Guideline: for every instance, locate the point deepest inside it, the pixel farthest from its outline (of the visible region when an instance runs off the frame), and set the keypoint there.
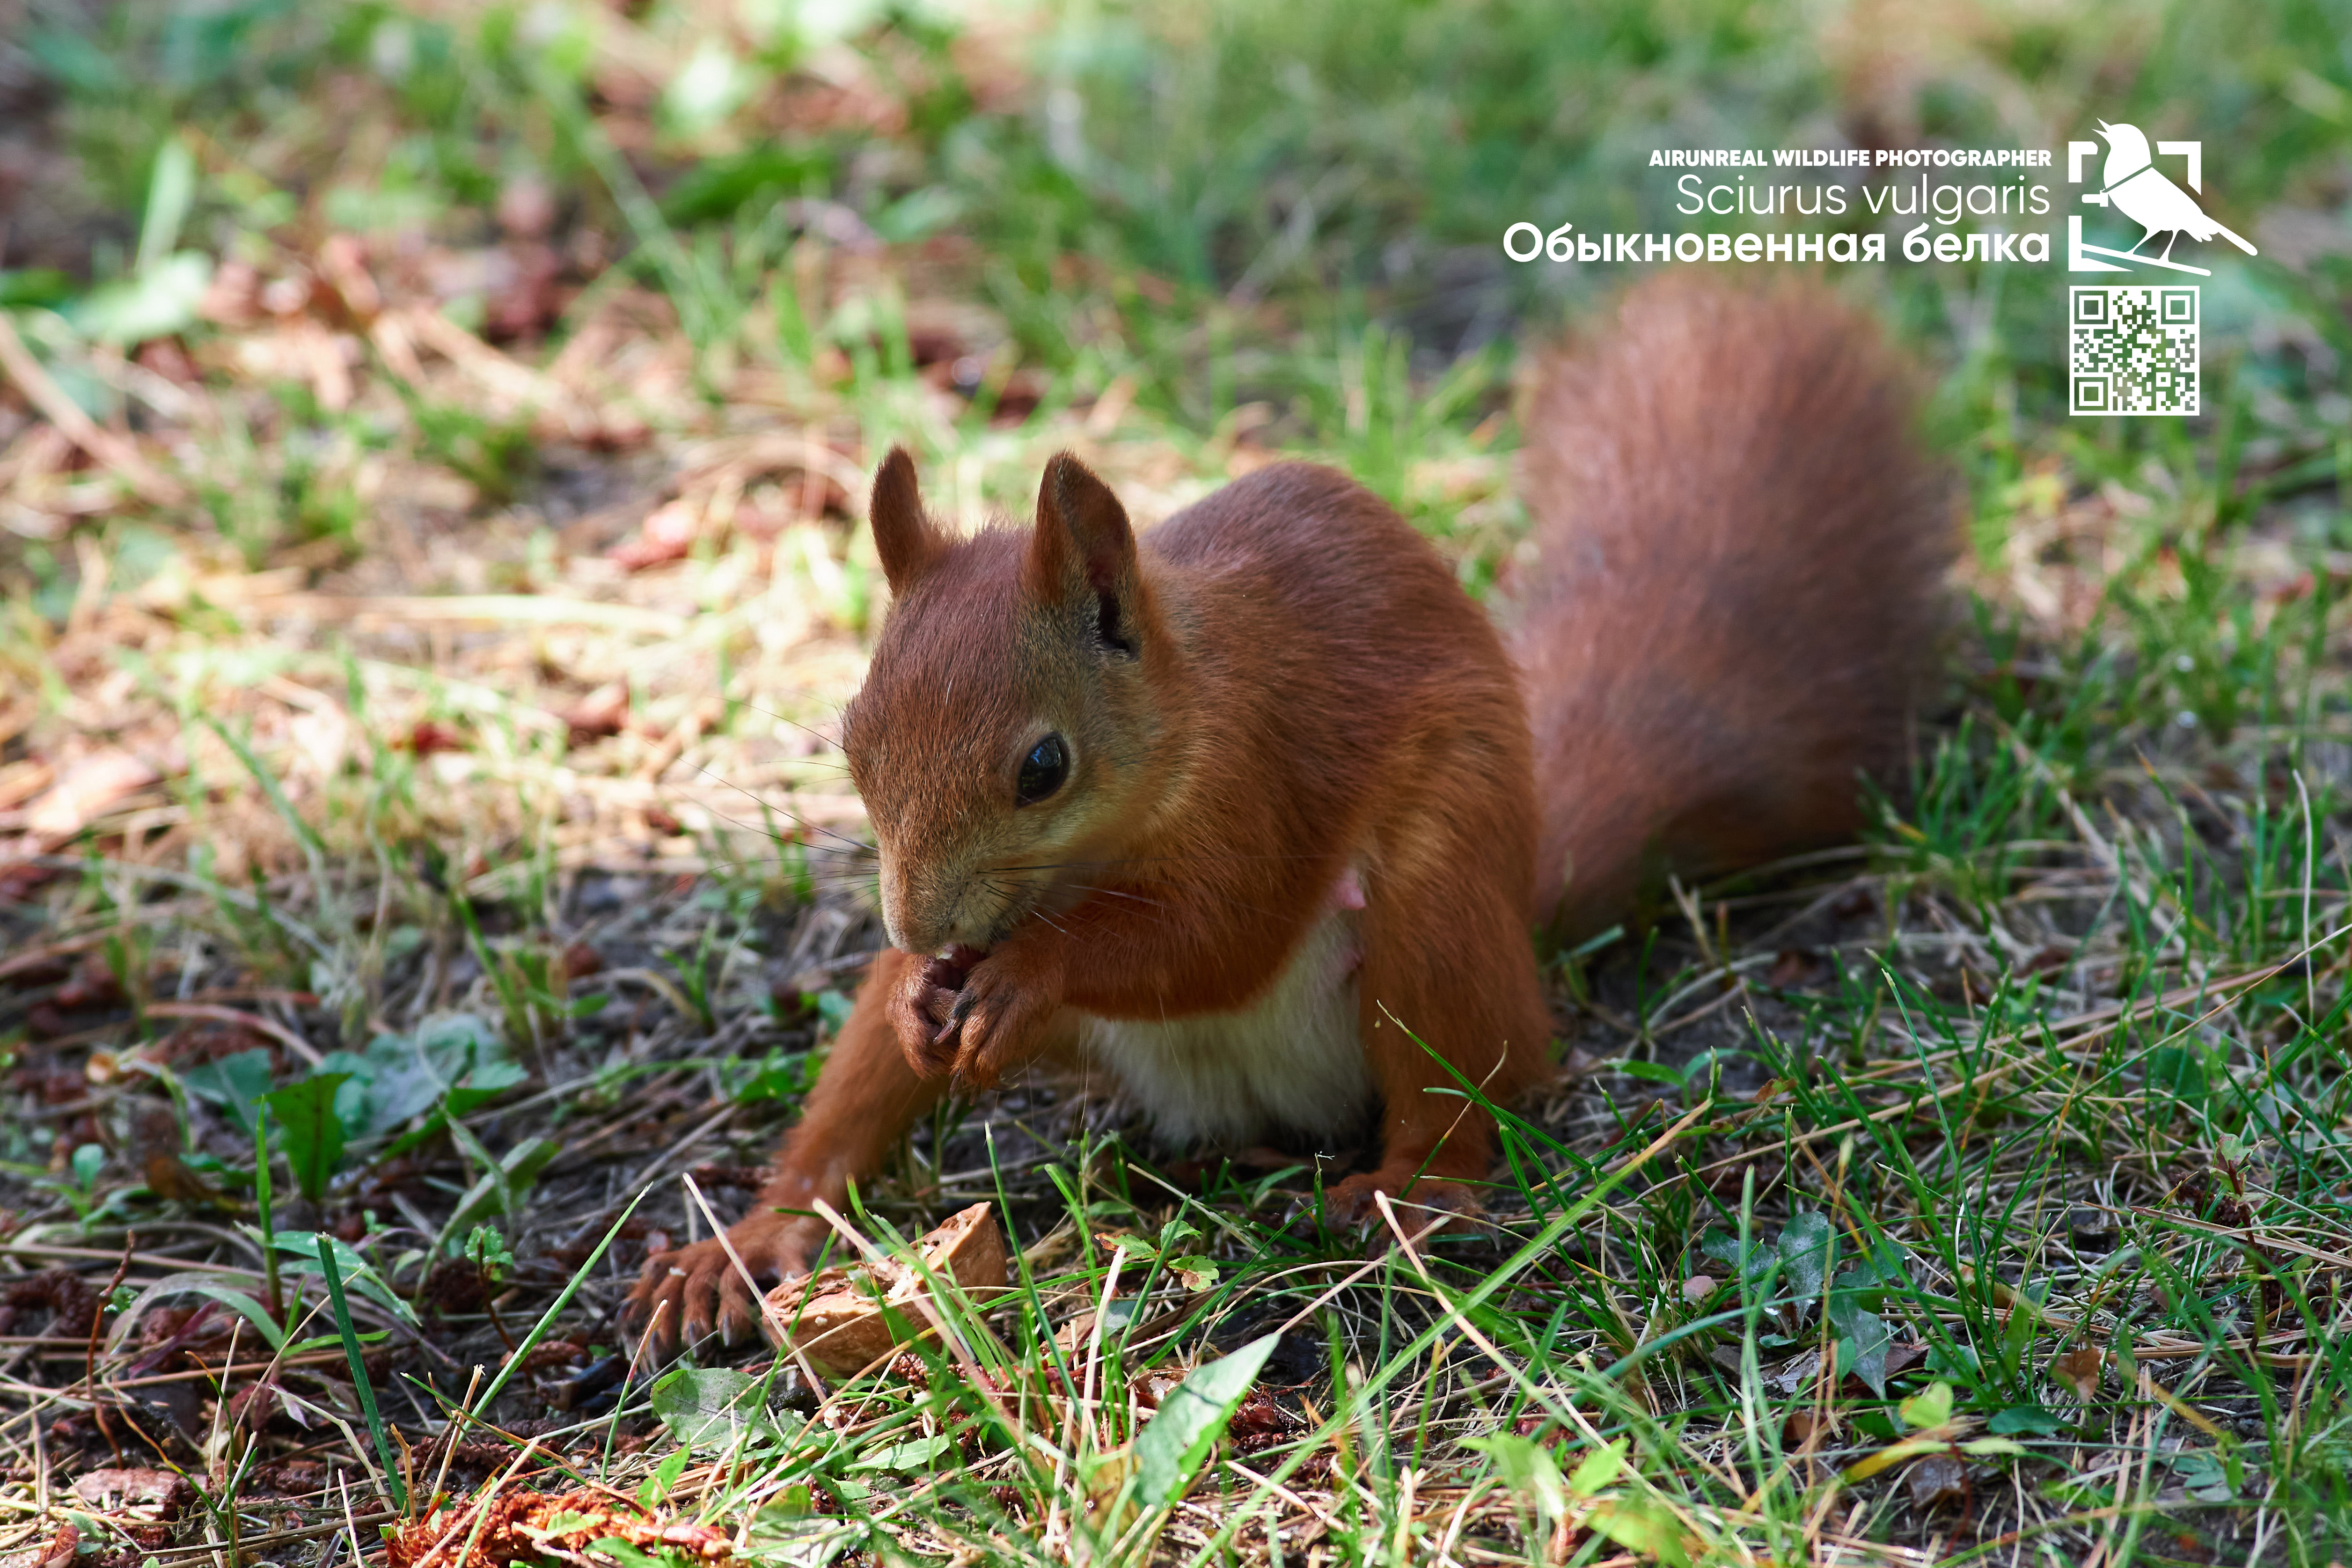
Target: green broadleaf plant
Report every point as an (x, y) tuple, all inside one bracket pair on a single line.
[(310, 1131), (1176, 1442)]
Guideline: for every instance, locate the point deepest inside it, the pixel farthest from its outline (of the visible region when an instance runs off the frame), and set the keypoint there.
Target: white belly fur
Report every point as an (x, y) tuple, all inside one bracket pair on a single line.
[(1294, 1059)]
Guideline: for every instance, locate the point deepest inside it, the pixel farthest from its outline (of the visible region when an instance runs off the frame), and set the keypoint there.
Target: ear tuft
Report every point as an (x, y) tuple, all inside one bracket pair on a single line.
[(1083, 548), (903, 536)]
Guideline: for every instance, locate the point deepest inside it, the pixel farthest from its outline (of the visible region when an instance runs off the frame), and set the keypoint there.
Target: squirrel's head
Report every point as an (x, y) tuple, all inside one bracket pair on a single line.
[(1006, 727)]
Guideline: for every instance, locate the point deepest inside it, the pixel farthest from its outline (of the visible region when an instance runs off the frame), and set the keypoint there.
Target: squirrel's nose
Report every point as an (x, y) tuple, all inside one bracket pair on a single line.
[(902, 917), (918, 912)]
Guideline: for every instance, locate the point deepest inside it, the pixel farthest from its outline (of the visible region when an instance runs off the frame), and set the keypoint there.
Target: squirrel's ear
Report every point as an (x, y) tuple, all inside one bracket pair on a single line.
[(1084, 549), (903, 536)]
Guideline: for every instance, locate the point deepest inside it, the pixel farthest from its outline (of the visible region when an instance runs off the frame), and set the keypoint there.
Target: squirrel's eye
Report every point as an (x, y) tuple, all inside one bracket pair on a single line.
[(1042, 771)]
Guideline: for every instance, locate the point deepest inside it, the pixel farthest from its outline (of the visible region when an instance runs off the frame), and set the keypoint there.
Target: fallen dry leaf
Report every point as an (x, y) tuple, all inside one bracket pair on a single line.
[(2079, 1370), (2190, 1547), (667, 533), (601, 712), (1148, 1387), (429, 736), (84, 793), (73, 1302), (1795, 1373), (92, 984), (1798, 968), (60, 1551), (148, 1494), (343, 261), (1939, 1480), (1258, 1422), (19, 781), (1904, 1356), (233, 298)]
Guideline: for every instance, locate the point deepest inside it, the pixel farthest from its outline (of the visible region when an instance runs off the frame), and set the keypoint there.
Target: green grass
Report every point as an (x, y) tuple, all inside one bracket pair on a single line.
[(2029, 1110)]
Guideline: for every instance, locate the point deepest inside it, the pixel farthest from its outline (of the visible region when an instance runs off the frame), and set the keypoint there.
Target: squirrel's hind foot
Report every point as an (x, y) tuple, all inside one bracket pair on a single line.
[(1422, 1207)]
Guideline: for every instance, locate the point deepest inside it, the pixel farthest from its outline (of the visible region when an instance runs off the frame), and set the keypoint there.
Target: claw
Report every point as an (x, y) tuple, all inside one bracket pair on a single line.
[(956, 1013), (689, 1294), (1350, 1202)]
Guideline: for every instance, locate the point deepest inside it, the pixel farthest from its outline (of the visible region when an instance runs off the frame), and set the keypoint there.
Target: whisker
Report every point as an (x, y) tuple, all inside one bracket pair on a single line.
[(806, 848), (800, 822), (1157, 860), (1116, 893), (1148, 903), (795, 723)]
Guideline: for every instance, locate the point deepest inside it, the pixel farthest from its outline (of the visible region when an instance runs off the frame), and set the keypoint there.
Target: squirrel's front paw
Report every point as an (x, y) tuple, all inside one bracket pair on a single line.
[(999, 1015), (922, 1013)]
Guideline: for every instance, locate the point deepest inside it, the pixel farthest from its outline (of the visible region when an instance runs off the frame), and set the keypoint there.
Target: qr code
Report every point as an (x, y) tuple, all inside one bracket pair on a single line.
[(2133, 350)]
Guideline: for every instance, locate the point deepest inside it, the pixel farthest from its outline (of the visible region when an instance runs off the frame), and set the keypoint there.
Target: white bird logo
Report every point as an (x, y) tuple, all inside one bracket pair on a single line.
[(2135, 188)]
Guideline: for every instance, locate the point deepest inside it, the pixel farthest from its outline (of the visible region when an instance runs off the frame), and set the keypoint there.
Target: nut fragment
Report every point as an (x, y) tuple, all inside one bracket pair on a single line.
[(833, 1318)]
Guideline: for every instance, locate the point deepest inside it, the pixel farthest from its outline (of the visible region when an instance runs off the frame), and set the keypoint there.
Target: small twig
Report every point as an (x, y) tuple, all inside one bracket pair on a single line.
[(779, 1326), (2243, 1235), (104, 446), (40, 1464), (275, 1538), (212, 1013), (491, 1306), (343, 1482), (1535, 1391), (89, 1357), (449, 1442), (201, 1372)]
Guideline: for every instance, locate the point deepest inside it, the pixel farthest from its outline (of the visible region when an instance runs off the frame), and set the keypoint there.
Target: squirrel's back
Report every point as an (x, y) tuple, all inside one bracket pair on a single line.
[(1740, 550)]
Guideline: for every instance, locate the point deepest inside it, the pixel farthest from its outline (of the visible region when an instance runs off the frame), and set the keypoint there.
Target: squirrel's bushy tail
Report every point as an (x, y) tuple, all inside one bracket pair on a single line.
[(1735, 596)]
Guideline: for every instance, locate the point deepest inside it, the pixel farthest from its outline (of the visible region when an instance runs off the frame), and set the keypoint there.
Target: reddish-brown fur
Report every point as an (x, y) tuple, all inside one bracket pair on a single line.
[(1739, 552)]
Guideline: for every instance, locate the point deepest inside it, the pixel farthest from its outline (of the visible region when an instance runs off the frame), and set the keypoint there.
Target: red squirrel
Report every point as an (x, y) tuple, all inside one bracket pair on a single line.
[(1245, 811)]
